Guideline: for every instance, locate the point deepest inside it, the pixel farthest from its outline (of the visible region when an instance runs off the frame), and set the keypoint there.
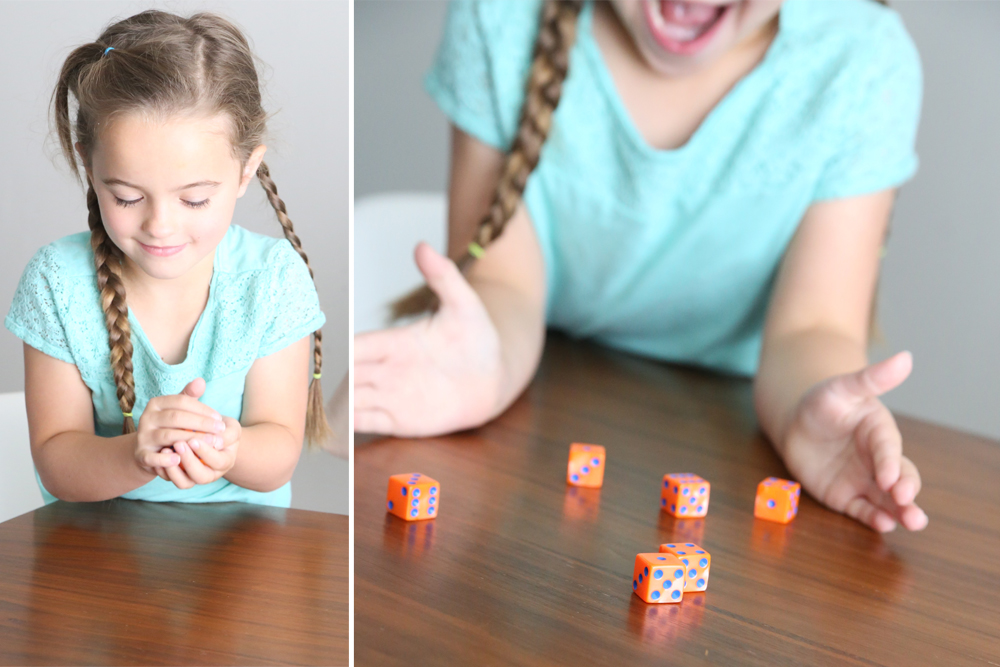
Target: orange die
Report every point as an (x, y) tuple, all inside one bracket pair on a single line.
[(684, 495), (777, 500), (413, 496), (586, 465), (658, 578), (696, 562)]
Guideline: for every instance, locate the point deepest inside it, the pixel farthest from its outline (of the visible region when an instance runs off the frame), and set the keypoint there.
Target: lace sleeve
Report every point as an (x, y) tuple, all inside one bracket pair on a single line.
[(35, 314), (877, 141), (294, 304)]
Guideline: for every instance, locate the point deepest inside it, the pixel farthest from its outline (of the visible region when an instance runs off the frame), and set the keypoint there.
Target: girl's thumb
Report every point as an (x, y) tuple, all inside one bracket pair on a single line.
[(444, 278), (879, 378), (195, 388)]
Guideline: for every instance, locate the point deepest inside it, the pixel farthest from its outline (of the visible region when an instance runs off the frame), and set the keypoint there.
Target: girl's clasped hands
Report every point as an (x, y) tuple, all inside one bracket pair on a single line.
[(184, 441)]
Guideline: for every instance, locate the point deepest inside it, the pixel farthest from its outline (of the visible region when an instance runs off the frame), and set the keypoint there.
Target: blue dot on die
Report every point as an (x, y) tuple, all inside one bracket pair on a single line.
[(701, 582), (666, 484), (655, 595), (684, 510), (585, 470), (640, 577), (415, 502), (667, 584), (413, 512), (687, 491), (675, 594), (404, 490), (663, 502), (434, 490), (675, 489), (699, 508), (701, 490), (635, 584), (688, 544), (658, 574), (645, 571), (703, 562), (660, 558), (430, 510), (673, 508), (575, 477), (770, 504), (390, 504), (685, 560), (692, 573), (671, 545), (416, 493), (596, 462), (432, 500), (678, 574)]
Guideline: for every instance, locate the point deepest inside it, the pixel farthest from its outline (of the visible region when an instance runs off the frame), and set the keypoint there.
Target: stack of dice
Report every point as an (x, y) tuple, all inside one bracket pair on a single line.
[(667, 575)]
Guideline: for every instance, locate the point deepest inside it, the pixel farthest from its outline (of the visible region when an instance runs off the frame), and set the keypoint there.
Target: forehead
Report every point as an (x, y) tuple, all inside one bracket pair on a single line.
[(140, 147)]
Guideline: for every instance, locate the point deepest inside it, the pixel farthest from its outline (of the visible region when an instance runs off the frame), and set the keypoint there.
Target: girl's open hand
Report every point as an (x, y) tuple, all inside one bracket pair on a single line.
[(440, 374), (204, 459), (843, 445), (170, 419)]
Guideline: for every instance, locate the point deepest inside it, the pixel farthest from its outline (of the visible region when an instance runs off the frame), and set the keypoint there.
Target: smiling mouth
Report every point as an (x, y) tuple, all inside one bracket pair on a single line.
[(162, 250), (683, 27)]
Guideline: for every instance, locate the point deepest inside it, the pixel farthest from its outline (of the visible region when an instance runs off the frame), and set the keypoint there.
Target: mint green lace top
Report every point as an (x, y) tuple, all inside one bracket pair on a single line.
[(261, 300), (672, 254)]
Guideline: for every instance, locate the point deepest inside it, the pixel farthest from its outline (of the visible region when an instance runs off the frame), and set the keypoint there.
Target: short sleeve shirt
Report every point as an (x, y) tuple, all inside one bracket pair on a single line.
[(261, 299), (672, 254)]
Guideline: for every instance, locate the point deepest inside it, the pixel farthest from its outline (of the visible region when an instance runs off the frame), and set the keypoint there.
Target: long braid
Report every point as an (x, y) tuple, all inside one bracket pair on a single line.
[(108, 259), (549, 67), (317, 428)]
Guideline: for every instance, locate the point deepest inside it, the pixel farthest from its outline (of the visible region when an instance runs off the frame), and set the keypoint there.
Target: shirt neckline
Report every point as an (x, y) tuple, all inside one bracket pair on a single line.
[(144, 341), (624, 119)]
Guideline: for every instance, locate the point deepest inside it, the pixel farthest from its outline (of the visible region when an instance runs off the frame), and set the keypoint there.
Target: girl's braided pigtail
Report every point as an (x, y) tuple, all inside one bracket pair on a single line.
[(108, 258), (549, 67), (317, 428)]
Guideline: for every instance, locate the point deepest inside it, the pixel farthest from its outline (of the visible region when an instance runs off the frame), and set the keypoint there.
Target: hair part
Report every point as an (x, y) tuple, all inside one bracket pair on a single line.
[(163, 64), (549, 67)]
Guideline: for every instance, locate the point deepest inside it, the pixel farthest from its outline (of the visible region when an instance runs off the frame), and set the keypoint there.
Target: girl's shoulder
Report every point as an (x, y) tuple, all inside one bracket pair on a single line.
[(848, 30), (65, 259), (244, 251)]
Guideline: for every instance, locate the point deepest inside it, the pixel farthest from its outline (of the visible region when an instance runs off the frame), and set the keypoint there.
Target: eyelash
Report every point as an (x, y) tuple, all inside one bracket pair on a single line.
[(127, 203)]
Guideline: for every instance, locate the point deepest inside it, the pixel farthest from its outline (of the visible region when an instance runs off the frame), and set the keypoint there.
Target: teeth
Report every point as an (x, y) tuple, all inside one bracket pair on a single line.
[(674, 28)]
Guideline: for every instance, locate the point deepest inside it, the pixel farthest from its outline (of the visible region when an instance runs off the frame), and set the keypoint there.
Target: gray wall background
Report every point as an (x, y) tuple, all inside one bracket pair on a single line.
[(940, 290), (305, 49)]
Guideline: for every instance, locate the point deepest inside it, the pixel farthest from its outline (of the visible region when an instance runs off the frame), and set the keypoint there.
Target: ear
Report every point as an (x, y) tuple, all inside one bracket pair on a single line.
[(251, 169)]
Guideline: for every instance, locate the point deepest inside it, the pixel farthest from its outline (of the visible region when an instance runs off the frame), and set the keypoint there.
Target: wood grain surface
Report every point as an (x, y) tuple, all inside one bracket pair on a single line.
[(519, 568), (136, 583)]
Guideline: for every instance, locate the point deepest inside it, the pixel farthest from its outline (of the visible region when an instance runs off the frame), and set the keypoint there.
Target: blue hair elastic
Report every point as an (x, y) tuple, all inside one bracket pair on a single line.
[(110, 48)]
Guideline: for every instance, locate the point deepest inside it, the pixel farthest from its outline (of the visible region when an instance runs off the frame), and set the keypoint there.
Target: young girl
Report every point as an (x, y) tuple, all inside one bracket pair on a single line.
[(167, 351), (714, 188)]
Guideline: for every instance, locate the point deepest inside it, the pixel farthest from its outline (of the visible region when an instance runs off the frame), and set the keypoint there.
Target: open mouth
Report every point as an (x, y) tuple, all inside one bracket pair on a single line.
[(684, 28)]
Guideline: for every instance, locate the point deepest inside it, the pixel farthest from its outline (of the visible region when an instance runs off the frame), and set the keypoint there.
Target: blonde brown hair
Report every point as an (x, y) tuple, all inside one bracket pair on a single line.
[(549, 66), (159, 63)]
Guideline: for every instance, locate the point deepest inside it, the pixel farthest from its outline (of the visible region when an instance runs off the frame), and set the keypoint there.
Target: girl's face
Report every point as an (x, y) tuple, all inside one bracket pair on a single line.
[(676, 38), (167, 189)]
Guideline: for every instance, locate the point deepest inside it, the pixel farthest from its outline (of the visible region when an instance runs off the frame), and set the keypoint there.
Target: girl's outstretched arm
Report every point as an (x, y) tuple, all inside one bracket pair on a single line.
[(74, 463), (465, 364), (816, 395)]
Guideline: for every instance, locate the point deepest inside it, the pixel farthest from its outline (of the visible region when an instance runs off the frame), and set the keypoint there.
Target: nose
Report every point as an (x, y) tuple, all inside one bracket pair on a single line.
[(159, 224)]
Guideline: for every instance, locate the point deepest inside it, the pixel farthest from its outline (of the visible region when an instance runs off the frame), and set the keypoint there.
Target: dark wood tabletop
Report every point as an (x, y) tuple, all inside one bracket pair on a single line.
[(520, 568), (136, 583)]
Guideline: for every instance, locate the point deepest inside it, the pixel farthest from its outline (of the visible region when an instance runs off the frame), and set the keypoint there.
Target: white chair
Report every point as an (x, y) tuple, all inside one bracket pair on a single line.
[(19, 492), (387, 227)]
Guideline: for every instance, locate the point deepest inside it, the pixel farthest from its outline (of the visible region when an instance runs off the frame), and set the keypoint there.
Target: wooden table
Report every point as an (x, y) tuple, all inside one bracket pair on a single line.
[(519, 568), (134, 583)]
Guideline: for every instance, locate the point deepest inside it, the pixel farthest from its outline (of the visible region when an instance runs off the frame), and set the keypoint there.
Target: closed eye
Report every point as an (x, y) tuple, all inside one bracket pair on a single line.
[(196, 204), (125, 203)]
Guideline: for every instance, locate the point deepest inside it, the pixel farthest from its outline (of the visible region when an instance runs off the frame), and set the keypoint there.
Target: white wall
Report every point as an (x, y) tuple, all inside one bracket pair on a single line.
[(305, 48), (940, 291)]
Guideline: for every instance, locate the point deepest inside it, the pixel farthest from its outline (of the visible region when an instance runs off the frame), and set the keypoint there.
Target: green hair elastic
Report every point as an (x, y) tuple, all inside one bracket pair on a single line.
[(317, 376), (476, 250), (127, 414)]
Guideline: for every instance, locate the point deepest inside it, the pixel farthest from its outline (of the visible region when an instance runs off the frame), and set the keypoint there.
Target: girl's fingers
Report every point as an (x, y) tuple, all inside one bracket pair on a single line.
[(163, 437), (209, 455), (876, 379), (163, 459), (369, 374), (373, 421), (197, 471), (374, 347), (905, 491), (443, 276), (187, 420), (913, 518), (179, 478), (863, 510), (885, 444), (185, 403)]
